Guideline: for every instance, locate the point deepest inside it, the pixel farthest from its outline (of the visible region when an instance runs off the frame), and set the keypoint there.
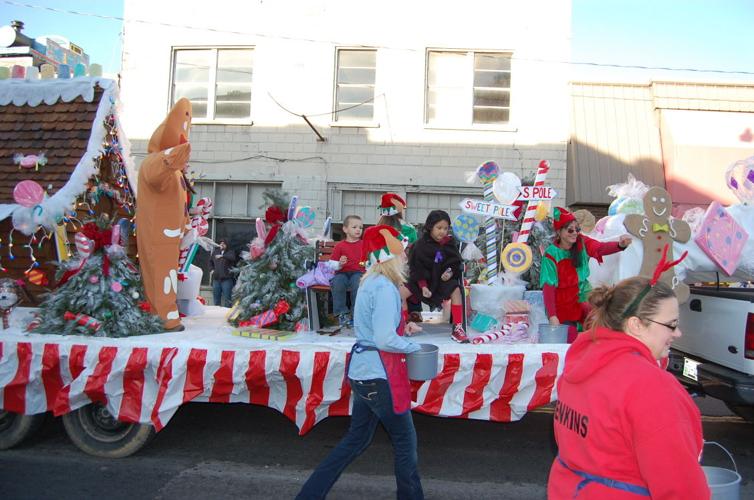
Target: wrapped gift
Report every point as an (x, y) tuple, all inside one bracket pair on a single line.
[(483, 322), (514, 318), (268, 317), (721, 238)]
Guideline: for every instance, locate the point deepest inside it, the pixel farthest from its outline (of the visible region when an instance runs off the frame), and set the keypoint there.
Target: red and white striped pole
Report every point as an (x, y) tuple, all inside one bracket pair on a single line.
[(531, 207)]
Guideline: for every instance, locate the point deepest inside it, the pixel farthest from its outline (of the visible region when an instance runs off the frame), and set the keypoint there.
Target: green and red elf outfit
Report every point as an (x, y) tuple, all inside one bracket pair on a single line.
[(564, 277)]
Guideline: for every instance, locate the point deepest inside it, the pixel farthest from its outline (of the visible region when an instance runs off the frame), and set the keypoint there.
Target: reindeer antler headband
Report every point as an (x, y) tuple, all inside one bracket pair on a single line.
[(662, 266)]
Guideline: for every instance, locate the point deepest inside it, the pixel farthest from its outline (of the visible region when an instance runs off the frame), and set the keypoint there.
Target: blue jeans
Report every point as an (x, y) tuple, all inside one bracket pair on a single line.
[(222, 289), (339, 285), (372, 404)]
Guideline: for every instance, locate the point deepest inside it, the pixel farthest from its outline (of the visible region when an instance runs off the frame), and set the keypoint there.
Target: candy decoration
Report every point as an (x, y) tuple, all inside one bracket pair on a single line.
[(509, 333), (505, 188), (30, 161), (116, 287), (83, 320), (94, 279), (326, 228), (292, 207), (267, 317), (487, 173), (203, 207), (34, 323), (37, 277), (28, 193), (517, 257), (466, 228), (305, 217), (134, 295), (200, 224), (261, 230), (740, 179), (531, 208), (84, 245)]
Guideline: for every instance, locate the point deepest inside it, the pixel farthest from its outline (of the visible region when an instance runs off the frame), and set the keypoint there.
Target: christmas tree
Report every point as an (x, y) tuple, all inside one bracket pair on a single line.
[(100, 293), (267, 279)]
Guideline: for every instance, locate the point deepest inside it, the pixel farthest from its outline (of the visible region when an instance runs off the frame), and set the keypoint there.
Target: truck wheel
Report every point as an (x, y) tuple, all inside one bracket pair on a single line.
[(14, 427), (745, 412), (95, 431)]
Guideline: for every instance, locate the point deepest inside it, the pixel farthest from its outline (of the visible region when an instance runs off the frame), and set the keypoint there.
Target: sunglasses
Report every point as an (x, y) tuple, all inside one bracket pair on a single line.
[(671, 327), (572, 230)]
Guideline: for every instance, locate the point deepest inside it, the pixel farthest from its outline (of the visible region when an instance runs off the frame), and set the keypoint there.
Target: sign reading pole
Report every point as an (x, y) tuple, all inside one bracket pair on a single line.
[(487, 209), (536, 193)]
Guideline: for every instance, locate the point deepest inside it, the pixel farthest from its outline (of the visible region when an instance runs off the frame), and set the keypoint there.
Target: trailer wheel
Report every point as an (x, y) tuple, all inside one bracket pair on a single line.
[(95, 431), (14, 428), (745, 412)]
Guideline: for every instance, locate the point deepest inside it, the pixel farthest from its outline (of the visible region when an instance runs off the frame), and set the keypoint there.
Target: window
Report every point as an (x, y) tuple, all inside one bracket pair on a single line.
[(468, 88), (216, 81), (355, 85), (236, 205)]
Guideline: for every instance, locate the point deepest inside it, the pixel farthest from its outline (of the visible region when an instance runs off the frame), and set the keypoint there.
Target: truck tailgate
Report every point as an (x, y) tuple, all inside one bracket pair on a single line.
[(713, 323)]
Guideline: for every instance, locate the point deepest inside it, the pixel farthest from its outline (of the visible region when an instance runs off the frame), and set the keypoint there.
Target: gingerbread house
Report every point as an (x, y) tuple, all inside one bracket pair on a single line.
[(63, 160)]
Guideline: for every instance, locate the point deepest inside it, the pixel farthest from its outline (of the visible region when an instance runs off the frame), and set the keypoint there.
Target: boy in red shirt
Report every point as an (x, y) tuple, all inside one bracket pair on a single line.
[(346, 260)]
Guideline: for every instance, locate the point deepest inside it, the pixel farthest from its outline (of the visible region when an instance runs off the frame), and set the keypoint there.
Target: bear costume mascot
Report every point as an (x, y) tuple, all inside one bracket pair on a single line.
[(162, 216)]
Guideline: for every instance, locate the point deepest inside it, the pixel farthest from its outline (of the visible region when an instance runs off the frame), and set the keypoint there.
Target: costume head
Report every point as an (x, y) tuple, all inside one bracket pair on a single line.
[(657, 204), (391, 204), (561, 218), (381, 243), (174, 130)]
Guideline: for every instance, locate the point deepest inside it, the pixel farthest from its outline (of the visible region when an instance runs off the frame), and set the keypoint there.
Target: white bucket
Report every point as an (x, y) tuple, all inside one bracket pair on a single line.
[(549, 334), (422, 365), (724, 484)]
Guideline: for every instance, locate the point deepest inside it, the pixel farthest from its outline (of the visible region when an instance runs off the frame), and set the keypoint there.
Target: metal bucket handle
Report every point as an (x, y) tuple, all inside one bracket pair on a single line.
[(735, 467)]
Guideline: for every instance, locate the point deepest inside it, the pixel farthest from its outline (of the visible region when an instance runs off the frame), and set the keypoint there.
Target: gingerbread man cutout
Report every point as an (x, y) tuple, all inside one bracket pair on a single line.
[(162, 212), (656, 229)]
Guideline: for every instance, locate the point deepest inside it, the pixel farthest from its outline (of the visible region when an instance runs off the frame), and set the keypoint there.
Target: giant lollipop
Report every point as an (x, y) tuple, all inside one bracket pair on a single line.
[(487, 173), (466, 229), (28, 194)]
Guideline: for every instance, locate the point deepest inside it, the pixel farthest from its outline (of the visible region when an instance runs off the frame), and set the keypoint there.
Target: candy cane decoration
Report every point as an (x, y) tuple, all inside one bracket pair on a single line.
[(487, 173), (531, 208)]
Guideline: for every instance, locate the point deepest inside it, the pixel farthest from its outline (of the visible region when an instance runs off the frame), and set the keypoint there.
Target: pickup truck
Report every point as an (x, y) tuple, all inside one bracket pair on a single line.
[(715, 355)]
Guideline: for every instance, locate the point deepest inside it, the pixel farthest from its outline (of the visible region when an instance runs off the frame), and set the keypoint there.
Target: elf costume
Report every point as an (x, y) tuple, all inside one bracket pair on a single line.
[(393, 206), (564, 277)]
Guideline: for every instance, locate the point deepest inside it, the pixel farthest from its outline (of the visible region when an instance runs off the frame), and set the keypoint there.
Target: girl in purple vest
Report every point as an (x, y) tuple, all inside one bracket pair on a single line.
[(377, 372)]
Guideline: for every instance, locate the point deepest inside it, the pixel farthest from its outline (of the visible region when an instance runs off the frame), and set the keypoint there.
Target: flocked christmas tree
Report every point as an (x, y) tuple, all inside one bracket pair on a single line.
[(267, 275), (99, 293)]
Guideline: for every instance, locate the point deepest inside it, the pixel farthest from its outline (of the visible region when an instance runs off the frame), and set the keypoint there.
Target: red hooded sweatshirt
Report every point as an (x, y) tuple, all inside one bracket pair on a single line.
[(620, 416)]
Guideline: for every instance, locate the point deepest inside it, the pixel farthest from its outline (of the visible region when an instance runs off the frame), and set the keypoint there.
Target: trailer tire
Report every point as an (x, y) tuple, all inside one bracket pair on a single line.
[(95, 431), (14, 427), (745, 412)]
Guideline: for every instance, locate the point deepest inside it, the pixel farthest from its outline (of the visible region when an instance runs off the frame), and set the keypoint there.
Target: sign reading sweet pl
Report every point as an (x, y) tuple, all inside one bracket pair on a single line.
[(487, 209), (536, 193)]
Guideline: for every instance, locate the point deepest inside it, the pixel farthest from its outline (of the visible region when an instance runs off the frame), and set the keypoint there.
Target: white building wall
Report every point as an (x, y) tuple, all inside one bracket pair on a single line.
[(295, 44)]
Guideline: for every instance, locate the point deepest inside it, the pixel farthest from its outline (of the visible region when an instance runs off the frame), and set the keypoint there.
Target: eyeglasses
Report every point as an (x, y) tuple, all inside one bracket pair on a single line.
[(670, 327), (572, 230)]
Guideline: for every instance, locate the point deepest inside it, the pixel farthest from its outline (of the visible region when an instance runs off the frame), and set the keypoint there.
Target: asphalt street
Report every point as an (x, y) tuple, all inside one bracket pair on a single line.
[(240, 451)]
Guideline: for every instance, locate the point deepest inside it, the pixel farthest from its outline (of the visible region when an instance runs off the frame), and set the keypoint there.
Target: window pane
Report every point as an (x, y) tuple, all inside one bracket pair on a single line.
[(357, 58), (492, 61), (447, 69), (492, 79), (191, 79), (356, 75), (448, 92), (233, 86), (235, 65), (491, 115), (488, 97), (363, 112)]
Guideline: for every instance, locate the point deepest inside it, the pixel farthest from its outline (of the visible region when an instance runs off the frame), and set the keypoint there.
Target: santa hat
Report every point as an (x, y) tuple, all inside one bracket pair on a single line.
[(391, 204), (561, 218), (381, 243)]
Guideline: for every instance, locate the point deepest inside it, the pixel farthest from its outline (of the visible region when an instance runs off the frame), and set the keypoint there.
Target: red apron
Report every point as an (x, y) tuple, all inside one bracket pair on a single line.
[(396, 370)]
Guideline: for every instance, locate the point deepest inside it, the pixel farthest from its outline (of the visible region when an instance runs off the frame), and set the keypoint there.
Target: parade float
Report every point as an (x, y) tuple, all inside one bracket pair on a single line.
[(116, 349)]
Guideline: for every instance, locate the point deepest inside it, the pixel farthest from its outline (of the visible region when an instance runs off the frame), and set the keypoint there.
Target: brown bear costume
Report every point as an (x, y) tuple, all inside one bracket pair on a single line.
[(162, 215)]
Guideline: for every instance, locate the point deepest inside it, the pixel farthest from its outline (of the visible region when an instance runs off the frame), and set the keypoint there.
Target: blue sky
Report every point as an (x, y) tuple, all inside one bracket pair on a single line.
[(704, 34)]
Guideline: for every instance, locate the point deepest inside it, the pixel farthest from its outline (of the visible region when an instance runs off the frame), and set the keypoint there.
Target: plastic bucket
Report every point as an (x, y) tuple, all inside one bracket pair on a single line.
[(549, 334), (724, 484), (422, 365)]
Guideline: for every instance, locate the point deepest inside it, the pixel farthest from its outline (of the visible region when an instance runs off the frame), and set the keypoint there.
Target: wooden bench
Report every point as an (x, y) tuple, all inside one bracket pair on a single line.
[(322, 251)]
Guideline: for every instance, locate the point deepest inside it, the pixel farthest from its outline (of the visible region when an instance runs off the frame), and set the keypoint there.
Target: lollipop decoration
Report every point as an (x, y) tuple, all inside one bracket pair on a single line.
[(466, 229), (740, 179), (487, 173), (305, 217), (517, 257), (28, 194)]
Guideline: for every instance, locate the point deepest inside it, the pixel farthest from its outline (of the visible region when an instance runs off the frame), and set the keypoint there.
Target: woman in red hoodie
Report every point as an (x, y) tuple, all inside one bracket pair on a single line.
[(625, 427)]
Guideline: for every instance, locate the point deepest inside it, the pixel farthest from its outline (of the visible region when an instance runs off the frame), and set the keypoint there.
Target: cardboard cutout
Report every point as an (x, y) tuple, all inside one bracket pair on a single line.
[(656, 229), (162, 211)]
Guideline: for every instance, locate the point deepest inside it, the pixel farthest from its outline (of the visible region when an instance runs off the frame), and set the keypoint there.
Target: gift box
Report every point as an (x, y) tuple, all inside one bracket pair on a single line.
[(514, 318), (721, 238), (483, 322)]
